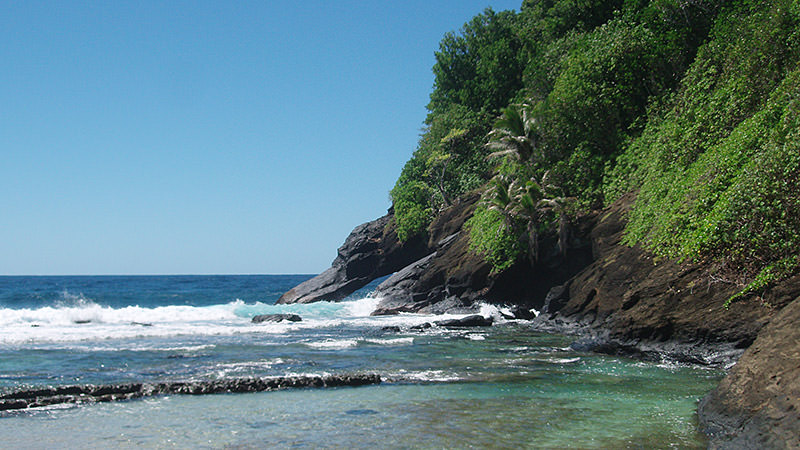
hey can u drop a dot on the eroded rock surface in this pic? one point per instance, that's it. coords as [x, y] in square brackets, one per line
[628, 303]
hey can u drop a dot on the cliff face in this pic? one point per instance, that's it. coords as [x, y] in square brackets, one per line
[626, 301]
[758, 404]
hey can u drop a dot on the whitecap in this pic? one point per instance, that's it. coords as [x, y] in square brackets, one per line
[333, 344]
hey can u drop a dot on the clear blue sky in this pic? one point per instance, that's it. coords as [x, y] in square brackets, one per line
[149, 137]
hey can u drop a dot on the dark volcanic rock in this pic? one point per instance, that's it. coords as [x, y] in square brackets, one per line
[520, 312]
[631, 301]
[372, 250]
[276, 318]
[758, 404]
[627, 303]
[395, 291]
[106, 393]
[454, 278]
[466, 322]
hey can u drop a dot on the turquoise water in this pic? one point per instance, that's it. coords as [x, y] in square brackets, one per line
[500, 387]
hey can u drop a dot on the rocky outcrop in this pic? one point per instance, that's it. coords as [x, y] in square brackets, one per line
[90, 393]
[372, 250]
[276, 318]
[626, 302]
[758, 404]
[454, 278]
[465, 322]
[438, 273]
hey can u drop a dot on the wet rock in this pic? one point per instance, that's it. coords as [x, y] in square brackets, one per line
[757, 405]
[466, 322]
[6, 405]
[519, 312]
[276, 318]
[556, 298]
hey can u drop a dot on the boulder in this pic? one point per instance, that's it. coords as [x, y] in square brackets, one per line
[519, 312]
[276, 318]
[466, 322]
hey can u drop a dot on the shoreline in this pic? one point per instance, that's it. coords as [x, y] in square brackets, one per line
[615, 299]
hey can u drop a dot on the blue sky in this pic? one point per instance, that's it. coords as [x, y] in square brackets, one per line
[145, 137]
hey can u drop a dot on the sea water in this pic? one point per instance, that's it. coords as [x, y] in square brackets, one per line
[505, 386]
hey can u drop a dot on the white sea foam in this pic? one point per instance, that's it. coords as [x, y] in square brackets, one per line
[77, 319]
[423, 376]
[396, 341]
[223, 370]
[556, 360]
[361, 308]
[476, 337]
[333, 344]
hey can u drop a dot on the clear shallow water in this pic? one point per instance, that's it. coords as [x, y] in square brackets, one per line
[505, 386]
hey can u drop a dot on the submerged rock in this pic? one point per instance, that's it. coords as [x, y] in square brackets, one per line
[276, 318]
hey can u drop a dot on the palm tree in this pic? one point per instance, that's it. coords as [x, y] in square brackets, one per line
[553, 198]
[515, 134]
[517, 203]
[527, 203]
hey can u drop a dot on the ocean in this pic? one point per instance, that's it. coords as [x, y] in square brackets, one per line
[505, 386]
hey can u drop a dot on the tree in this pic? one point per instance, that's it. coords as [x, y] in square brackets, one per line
[478, 68]
[515, 134]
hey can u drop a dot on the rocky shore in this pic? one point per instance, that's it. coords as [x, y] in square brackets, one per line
[616, 299]
[91, 393]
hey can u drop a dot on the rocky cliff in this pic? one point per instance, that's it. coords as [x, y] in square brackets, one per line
[372, 250]
[437, 272]
[616, 299]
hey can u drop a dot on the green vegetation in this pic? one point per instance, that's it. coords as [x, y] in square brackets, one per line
[567, 105]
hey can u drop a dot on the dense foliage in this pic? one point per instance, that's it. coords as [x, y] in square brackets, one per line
[718, 170]
[568, 104]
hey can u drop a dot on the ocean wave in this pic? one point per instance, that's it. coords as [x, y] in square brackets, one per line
[77, 318]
